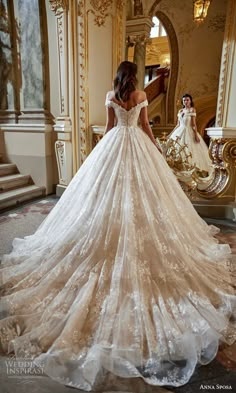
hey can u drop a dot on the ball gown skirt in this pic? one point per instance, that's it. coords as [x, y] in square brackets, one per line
[185, 135]
[123, 277]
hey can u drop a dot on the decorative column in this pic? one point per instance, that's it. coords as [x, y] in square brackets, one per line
[128, 44]
[139, 58]
[138, 32]
[223, 135]
[63, 126]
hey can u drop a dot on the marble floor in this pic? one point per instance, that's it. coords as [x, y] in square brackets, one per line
[219, 375]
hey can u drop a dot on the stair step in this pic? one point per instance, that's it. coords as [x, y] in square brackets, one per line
[7, 169]
[14, 197]
[14, 181]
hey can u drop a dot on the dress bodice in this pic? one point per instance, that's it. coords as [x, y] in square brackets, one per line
[185, 116]
[128, 118]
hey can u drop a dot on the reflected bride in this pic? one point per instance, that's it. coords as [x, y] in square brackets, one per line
[123, 277]
[186, 134]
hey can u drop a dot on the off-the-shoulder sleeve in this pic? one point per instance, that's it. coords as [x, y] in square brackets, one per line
[143, 103]
[192, 114]
[108, 102]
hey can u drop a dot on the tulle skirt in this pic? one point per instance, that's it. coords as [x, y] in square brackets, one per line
[199, 151]
[122, 279]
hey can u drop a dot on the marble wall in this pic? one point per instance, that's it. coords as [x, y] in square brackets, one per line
[6, 60]
[26, 122]
[31, 53]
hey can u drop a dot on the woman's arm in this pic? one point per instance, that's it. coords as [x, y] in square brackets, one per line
[110, 122]
[146, 127]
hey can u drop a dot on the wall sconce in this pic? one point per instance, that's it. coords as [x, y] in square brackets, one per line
[200, 8]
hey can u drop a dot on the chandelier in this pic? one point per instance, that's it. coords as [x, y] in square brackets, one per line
[200, 8]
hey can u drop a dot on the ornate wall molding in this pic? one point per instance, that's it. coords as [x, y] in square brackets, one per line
[119, 31]
[62, 52]
[100, 10]
[58, 6]
[63, 126]
[60, 9]
[225, 64]
[82, 78]
[223, 154]
[64, 162]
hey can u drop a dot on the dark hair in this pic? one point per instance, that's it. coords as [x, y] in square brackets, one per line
[189, 96]
[125, 80]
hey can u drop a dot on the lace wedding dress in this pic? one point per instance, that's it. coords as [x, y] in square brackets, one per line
[185, 135]
[122, 278]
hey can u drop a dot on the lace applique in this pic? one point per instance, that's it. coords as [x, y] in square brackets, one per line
[117, 281]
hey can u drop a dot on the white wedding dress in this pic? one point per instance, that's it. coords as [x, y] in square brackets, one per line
[123, 278]
[184, 133]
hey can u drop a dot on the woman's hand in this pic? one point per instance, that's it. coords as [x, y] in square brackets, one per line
[197, 139]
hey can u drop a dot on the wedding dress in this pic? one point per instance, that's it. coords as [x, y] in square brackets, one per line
[185, 136]
[123, 277]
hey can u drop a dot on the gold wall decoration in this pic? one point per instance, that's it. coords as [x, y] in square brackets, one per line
[60, 156]
[223, 154]
[83, 96]
[225, 66]
[100, 9]
[61, 43]
[58, 6]
[118, 33]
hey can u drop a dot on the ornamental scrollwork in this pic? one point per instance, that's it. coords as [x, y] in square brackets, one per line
[58, 6]
[223, 154]
[100, 9]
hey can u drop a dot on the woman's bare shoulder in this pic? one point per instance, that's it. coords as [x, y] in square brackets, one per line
[139, 95]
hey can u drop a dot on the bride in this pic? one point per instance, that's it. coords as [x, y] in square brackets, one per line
[123, 277]
[186, 133]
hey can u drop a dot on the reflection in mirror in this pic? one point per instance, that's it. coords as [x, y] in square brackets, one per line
[186, 148]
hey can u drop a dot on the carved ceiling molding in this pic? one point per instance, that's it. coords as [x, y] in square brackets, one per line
[58, 6]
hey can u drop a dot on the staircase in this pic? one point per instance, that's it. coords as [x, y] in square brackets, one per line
[157, 85]
[15, 187]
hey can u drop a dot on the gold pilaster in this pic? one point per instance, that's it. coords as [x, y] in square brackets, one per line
[64, 124]
[223, 135]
